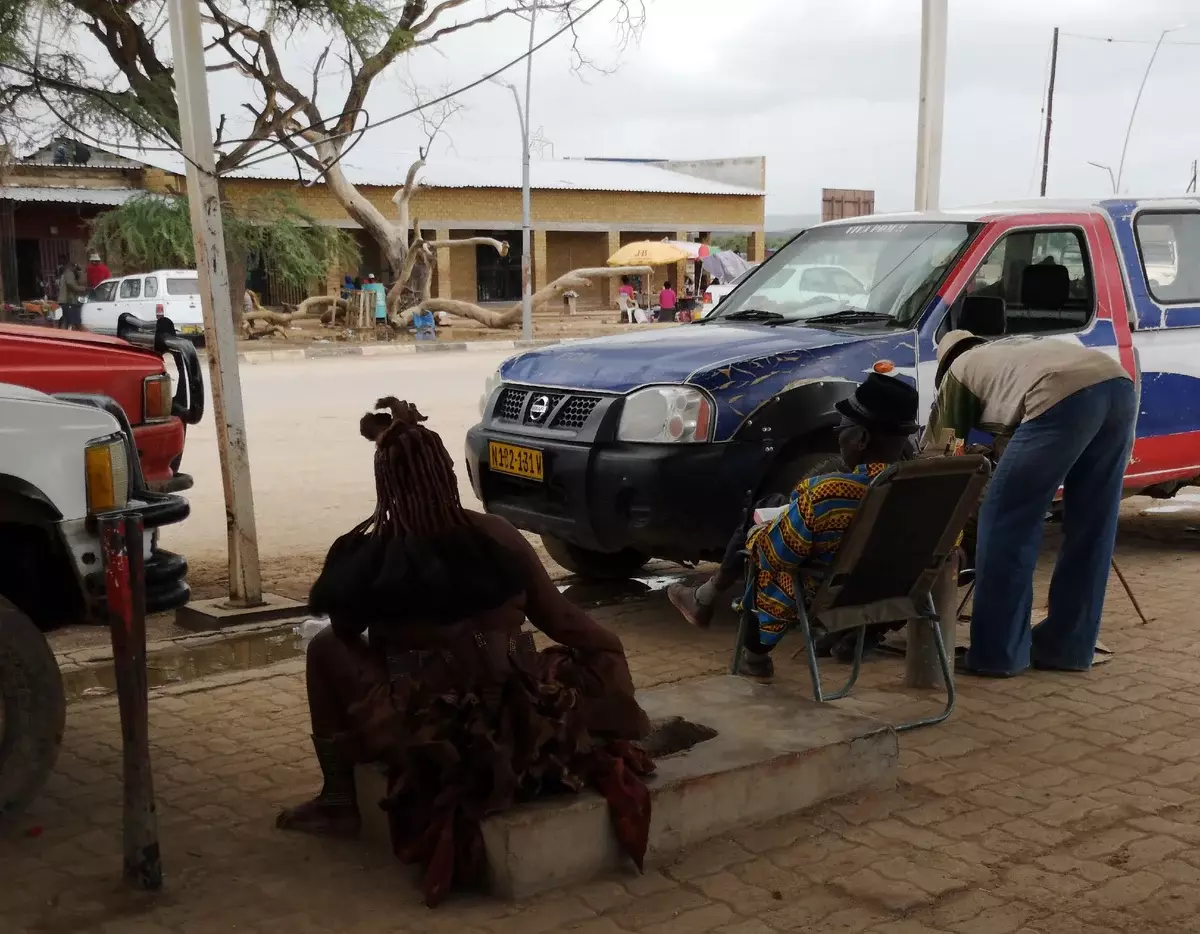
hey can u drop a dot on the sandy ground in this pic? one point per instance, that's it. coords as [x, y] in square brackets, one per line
[311, 469]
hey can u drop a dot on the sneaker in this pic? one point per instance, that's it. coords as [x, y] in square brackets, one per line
[683, 598]
[755, 665]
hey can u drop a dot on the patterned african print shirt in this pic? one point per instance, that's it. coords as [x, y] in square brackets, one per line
[807, 533]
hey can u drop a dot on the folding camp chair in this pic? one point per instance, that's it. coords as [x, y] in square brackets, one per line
[885, 568]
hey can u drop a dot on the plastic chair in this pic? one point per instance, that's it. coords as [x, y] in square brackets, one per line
[886, 565]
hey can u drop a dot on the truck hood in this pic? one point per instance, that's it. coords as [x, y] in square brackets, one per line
[75, 339]
[626, 361]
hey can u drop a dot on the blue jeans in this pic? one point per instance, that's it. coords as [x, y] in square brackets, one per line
[1081, 444]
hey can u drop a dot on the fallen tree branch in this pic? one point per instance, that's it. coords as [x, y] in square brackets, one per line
[510, 316]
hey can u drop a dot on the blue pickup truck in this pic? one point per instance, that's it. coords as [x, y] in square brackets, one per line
[651, 443]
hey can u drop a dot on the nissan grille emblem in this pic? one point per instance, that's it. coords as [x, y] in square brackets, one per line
[538, 408]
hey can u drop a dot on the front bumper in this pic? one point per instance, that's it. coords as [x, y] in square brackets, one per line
[668, 501]
[166, 572]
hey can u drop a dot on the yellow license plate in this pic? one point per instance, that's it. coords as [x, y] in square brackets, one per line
[515, 461]
[192, 329]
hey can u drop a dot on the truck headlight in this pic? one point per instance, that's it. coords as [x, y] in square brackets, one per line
[157, 399]
[666, 414]
[489, 386]
[106, 473]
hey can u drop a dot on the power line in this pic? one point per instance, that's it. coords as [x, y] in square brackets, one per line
[1121, 41]
[274, 141]
[437, 100]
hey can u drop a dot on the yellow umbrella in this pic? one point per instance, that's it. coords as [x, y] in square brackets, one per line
[647, 253]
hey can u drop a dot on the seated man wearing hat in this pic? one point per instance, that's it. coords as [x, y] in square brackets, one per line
[874, 433]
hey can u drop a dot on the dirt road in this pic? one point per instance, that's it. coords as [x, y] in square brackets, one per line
[311, 469]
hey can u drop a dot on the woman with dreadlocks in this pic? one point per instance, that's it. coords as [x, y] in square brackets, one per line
[425, 668]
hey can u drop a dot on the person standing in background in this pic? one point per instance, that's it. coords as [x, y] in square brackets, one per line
[380, 293]
[667, 300]
[71, 289]
[97, 271]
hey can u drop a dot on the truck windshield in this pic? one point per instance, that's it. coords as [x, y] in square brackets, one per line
[851, 273]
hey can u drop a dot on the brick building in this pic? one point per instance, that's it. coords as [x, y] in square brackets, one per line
[583, 210]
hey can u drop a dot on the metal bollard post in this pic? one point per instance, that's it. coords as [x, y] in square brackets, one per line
[921, 666]
[125, 591]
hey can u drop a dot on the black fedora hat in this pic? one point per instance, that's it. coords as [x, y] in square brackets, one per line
[882, 403]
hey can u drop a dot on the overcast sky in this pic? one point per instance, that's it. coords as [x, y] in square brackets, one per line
[827, 91]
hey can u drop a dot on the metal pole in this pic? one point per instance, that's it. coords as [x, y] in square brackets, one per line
[191, 87]
[125, 596]
[1049, 110]
[1136, 101]
[921, 666]
[526, 220]
[932, 103]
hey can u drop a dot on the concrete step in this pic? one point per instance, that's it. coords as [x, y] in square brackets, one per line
[775, 753]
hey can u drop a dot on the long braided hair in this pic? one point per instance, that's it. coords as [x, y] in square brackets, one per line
[419, 558]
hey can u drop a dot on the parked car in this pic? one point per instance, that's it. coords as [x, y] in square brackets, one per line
[716, 292]
[130, 371]
[170, 293]
[65, 462]
[650, 444]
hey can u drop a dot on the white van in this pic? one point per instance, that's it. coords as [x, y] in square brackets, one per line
[173, 293]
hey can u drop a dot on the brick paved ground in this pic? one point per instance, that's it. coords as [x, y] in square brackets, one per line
[1050, 804]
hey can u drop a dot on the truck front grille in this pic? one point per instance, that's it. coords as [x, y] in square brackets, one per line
[574, 414]
[510, 403]
[560, 411]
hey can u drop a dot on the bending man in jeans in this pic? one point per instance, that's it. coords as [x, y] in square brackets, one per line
[1067, 413]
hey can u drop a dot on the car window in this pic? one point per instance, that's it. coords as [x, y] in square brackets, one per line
[816, 279]
[179, 286]
[1169, 244]
[1044, 277]
[104, 292]
[130, 288]
[844, 283]
[151, 287]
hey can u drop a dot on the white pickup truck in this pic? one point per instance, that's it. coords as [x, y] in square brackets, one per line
[65, 461]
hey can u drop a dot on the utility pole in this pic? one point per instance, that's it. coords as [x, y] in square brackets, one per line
[1049, 110]
[932, 103]
[1191, 188]
[191, 88]
[526, 220]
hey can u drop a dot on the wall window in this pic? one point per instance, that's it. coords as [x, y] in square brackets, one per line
[131, 288]
[1169, 244]
[151, 287]
[1044, 277]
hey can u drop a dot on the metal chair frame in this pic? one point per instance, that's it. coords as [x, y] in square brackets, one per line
[918, 604]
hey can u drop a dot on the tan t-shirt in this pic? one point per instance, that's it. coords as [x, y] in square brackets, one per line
[1000, 384]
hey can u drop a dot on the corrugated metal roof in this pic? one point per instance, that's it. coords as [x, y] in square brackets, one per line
[105, 196]
[544, 174]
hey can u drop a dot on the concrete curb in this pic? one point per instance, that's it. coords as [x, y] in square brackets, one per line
[331, 350]
[88, 673]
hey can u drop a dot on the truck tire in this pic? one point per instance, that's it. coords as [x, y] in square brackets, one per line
[32, 710]
[786, 474]
[594, 565]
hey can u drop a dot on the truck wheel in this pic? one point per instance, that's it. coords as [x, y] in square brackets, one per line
[32, 710]
[784, 477]
[594, 565]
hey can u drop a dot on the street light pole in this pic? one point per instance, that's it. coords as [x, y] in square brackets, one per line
[526, 219]
[1112, 180]
[932, 103]
[204, 199]
[1137, 100]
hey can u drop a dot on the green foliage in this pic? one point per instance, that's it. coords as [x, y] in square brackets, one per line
[735, 242]
[155, 232]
